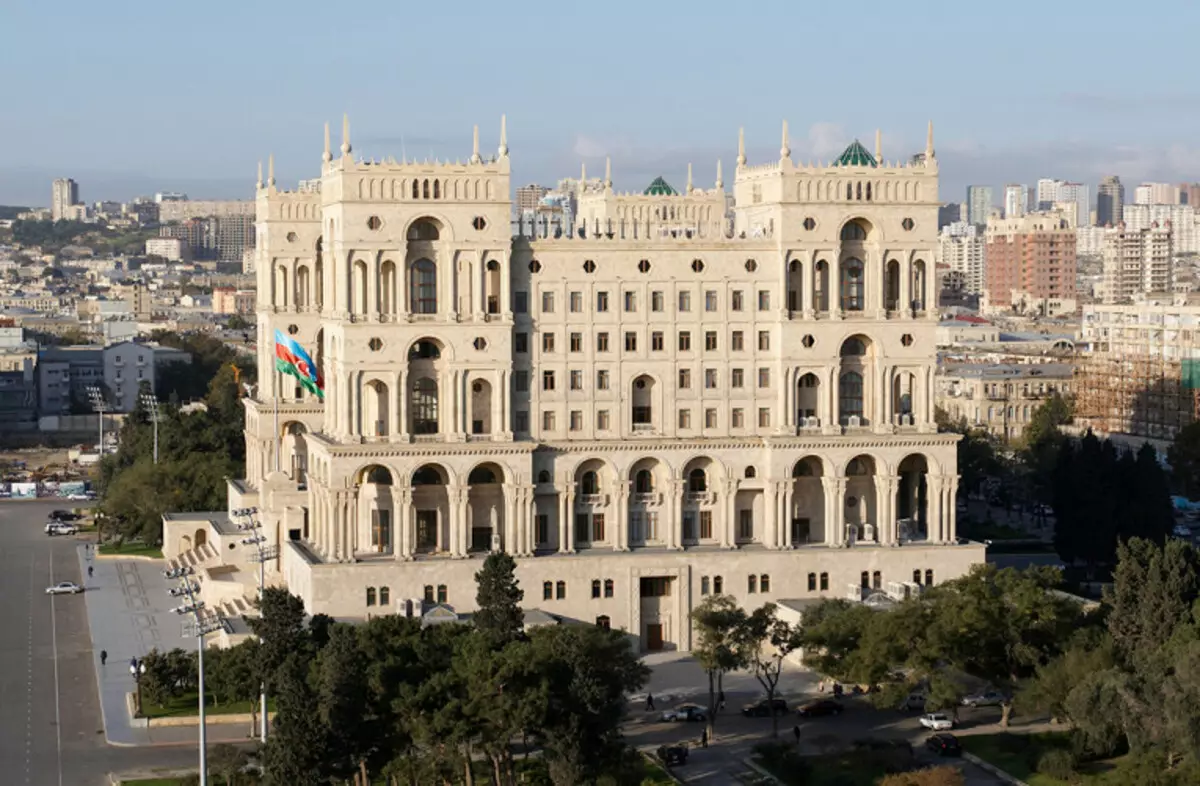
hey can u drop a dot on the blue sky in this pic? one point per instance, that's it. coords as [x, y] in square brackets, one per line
[132, 96]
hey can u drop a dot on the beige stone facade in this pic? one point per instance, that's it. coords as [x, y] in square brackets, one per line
[657, 404]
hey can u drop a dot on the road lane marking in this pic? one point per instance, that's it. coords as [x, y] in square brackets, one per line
[57, 702]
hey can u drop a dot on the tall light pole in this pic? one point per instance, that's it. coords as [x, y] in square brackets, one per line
[99, 406]
[151, 405]
[263, 553]
[199, 626]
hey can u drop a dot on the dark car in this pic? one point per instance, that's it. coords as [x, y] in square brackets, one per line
[944, 745]
[815, 709]
[764, 709]
[64, 515]
[673, 755]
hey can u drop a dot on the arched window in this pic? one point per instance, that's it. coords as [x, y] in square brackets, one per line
[812, 582]
[441, 593]
[429, 593]
[697, 481]
[865, 580]
[437, 190]
[589, 483]
[929, 578]
[370, 596]
[718, 585]
[424, 229]
[603, 622]
[385, 596]
[854, 231]
[877, 580]
[608, 588]
[424, 350]
[858, 192]
[643, 482]
[547, 590]
[824, 582]
[852, 285]
[917, 576]
[423, 287]
[704, 585]
[850, 396]
[424, 406]
[425, 189]
[544, 476]
[751, 473]
[595, 588]
[416, 190]
[853, 347]
[752, 584]
[560, 590]
[764, 583]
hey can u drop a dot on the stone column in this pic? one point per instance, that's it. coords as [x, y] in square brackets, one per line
[882, 522]
[570, 519]
[906, 297]
[770, 534]
[786, 386]
[830, 423]
[508, 541]
[563, 520]
[404, 537]
[952, 508]
[785, 525]
[530, 523]
[621, 534]
[809, 295]
[674, 522]
[497, 414]
[934, 493]
[729, 514]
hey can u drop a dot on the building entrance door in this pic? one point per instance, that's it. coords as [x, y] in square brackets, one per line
[427, 521]
[654, 637]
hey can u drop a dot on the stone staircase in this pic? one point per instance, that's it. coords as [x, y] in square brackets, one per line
[199, 557]
[237, 607]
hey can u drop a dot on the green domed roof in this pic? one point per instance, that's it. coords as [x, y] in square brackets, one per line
[855, 155]
[660, 187]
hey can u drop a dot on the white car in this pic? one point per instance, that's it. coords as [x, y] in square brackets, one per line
[61, 529]
[989, 698]
[937, 721]
[64, 588]
[78, 497]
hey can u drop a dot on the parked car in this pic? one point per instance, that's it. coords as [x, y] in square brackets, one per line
[762, 708]
[914, 702]
[61, 528]
[64, 588]
[686, 712]
[938, 721]
[673, 755]
[944, 745]
[815, 709]
[989, 698]
[80, 497]
[64, 515]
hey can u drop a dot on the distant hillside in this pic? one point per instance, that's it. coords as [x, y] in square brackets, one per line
[9, 212]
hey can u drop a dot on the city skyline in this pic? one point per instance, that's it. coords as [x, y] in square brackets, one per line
[276, 79]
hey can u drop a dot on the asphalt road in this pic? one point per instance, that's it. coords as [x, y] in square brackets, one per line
[51, 733]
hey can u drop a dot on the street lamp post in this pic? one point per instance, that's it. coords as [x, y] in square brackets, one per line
[151, 405]
[199, 626]
[137, 668]
[263, 553]
[99, 406]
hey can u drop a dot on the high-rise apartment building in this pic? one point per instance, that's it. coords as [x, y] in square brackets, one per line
[1136, 262]
[1189, 194]
[528, 197]
[1077, 194]
[1031, 264]
[1047, 193]
[979, 204]
[1110, 201]
[965, 252]
[64, 192]
[1185, 231]
[950, 213]
[1156, 194]
[1016, 200]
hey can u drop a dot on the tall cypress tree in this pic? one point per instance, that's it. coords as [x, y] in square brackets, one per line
[498, 595]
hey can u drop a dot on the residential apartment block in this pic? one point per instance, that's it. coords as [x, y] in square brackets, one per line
[1136, 262]
[1031, 265]
[1000, 397]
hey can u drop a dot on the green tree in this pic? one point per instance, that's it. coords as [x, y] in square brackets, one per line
[717, 621]
[498, 596]
[297, 750]
[342, 695]
[763, 642]
[227, 762]
[1153, 593]
[238, 322]
[281, 632]
[832, 632]
[1184, 457]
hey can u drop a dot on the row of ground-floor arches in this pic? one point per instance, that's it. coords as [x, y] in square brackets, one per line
[434, 509]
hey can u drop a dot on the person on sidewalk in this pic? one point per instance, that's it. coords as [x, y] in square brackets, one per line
[704, 739]
[103, 657]
[721, 701]
[649, 702]
[89, 571]
[796, 734]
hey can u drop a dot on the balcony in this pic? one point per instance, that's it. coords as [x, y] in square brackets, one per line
[589, 499]
[807, 423]
[699, 498]
[646, 498]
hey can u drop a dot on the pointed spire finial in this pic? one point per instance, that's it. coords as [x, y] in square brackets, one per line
[608, 173]
[878, 147]
[688, 190]
[720, 182]
[741, 159]
[503, 137]
[258, 182]
[785, 152]
[475, 157]
[271, 170]
[929, 142]
[346, 135]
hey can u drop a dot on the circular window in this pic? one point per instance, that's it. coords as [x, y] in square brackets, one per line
[589, 266]
[375, 344]
[751, 266]
[907, 224]
[808, 341]
[697, 265]
[479, 222]
[374, 223]
[477, 387]
[810, 223]
[751, 472]
[644, 265]
[535, 266]
[480, 344]
[291, 237]
[906, 339]
[293, 329]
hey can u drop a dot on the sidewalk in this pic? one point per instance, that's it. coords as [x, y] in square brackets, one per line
[129, 614]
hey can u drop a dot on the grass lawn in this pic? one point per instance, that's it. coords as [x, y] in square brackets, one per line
[859, 766]
[1017, 754]
[131, 549]
[186, 704]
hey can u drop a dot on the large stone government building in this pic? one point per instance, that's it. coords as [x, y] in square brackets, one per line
[662, 401]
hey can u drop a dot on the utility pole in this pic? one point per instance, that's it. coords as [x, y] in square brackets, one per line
[199, 626]
[151, 405]
[263, 553]
[99, 406]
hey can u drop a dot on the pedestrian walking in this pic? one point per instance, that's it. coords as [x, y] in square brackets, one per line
[649, 702]
[89, 571]
[704, 739]
[796, 734]
[721, 701]
[103, 657]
